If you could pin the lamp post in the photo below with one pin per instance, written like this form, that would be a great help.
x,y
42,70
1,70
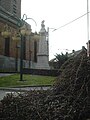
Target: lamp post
x,y
23,31
16,38
16,61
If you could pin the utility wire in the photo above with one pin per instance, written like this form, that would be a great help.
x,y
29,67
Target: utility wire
x,y
71,21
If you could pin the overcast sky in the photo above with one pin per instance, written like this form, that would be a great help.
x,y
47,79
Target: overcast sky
x,y
57,13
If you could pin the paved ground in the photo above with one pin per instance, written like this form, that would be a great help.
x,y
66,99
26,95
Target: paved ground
x,y
4,91
4,74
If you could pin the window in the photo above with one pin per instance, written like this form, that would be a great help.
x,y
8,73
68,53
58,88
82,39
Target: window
x,y
7,47
35,51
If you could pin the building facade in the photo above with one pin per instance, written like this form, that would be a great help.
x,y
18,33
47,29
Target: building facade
x,y
9,48
10,14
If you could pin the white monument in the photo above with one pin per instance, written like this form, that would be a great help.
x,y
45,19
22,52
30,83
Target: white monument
x,y
43,53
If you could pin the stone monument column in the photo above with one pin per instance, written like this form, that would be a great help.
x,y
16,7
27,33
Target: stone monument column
x,y
42,55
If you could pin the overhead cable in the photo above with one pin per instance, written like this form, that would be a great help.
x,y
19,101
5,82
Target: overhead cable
x,y
71,21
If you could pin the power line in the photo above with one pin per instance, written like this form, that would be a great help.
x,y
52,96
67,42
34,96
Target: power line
x,y
71,21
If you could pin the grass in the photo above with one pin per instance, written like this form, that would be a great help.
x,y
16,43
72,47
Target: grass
x,y
29,80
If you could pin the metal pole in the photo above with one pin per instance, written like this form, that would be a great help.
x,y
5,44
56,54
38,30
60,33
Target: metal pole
x,y
21,59
16,63
88,43
29,52
88,19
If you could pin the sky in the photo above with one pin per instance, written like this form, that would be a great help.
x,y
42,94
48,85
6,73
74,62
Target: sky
x,y
57,13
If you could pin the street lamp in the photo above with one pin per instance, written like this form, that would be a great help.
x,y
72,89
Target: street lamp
x,y
16,38
36,36
6,32
24,30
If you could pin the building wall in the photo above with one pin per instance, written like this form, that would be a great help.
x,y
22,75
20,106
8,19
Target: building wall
x,y
14,48
12,44
31,43
6,4
12,6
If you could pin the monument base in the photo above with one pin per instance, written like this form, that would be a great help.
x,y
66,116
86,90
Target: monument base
x,y
42,62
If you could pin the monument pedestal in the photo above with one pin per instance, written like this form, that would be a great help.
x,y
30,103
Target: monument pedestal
x,y
42,62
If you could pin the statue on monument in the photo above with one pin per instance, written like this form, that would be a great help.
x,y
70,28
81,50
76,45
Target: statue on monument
x,y
42,24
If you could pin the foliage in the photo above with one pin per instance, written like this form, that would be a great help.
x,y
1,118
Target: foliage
x,y
74,86
60,59
22,107
69,99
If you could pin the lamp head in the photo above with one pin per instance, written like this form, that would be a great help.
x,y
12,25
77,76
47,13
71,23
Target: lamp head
x,y
25,30
7,31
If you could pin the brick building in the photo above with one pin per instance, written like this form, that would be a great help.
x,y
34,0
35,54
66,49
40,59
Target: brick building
x,y
10,12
